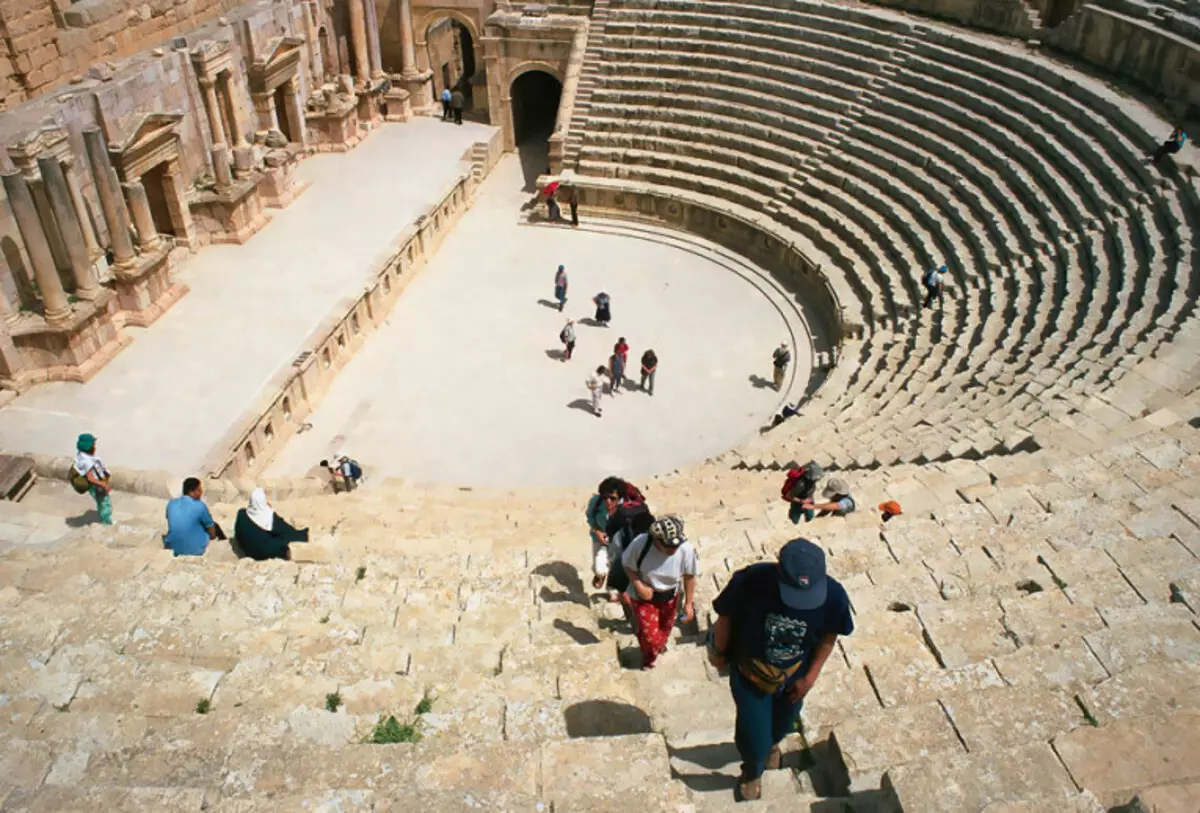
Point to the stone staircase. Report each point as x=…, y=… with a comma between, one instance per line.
x=1025, y=627
x=593, y=53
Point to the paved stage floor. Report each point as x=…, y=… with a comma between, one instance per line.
x=463, y=384
x=168, y=397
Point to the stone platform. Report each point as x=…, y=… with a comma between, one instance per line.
x=466, y=385
x=250, y=307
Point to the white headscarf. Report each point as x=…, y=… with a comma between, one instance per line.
x=259, y=512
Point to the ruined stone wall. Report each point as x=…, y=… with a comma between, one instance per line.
x=1013, y=17
x=1160, y=61
x=121, y=93
x=46, y=42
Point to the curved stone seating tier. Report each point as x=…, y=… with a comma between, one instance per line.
x=892, y=146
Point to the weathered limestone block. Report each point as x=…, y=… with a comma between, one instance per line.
x=1047, y=617
x=271, y=683
x=887, y=639
x=965, y=632
x=841, y=693
x=1124, y=646
x=1082, y=803
x=132, y=800
x=1088, y=576
x=872, y=743
x=970, y=782
x=1068, y=664
x=1100, y=758
x=395, y=695
x=1145, y=691
x=1008, y=717
x=576, y=776
x=24, y=764
x=910, y=684
x=1181, y=798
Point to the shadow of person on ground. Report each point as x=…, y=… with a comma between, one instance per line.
x=605, y=718
x=88, y=517
x=582, y=404
x=761, y=383
x=589, y=321
x=566, y=575
x=576, y=633
x=548, y=304
x=557, y=355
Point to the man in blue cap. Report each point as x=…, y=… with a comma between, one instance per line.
x=777, y=625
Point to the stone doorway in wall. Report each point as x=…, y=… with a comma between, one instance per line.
x=450, y=49
x=535, y=95
x=279, y=99
x=155, y=181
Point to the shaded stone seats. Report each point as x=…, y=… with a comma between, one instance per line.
x=806, y=47
x=849, y=47
x=769, y=87
x=722, y=93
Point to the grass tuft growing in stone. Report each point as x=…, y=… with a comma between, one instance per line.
x=361, y=573
x=425, y=705
x=203, y=705
x=389, y=731
x=333, y=701
x=325, y=618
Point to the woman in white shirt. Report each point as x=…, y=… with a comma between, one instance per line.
x=657, y=564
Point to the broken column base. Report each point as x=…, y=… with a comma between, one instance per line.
x=75, y=350
x=397, y=103
x=145, y=290
x=279, y=186
x=232, y=215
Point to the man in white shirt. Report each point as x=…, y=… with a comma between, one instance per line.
x=657, y=563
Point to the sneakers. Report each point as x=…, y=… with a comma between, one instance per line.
x=749, y=790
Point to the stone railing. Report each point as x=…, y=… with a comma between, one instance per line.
x=755, y=241
x=294, y=393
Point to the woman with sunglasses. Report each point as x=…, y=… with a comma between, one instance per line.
x=657, y=565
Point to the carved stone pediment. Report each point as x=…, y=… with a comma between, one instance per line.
x=49, y=140
x=279, y=62
x=211, y=58
x=153, y=139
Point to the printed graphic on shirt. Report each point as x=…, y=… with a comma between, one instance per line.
x=785, y=638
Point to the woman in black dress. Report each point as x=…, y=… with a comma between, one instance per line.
x=263, y=534
x=603, y=314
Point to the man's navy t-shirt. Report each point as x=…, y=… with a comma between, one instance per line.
x=767, y=629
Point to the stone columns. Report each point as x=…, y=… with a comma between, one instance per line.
x=264, y=105
x=108, y=189
x=408, y=54
x=221, y=169
x=90, y=239
x=59, y=195
x=143, y=220
x=358, y=37
x=231, y=111
x=54, y=299
x=315, y=66
x=213, y=109
x=373, y=49
x=294, y=109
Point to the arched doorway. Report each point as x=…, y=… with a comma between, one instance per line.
x=450, y=49
x=535, y=96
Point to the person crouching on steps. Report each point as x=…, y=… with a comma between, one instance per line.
x=656, y=566
x=777, y=624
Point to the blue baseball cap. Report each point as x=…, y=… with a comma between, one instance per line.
x=803, y=584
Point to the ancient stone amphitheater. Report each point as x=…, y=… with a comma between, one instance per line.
x=1026, y=633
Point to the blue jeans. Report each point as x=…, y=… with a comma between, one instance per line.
x=796, y=511
x=762, y=722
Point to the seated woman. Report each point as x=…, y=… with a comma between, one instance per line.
x=263, y=534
